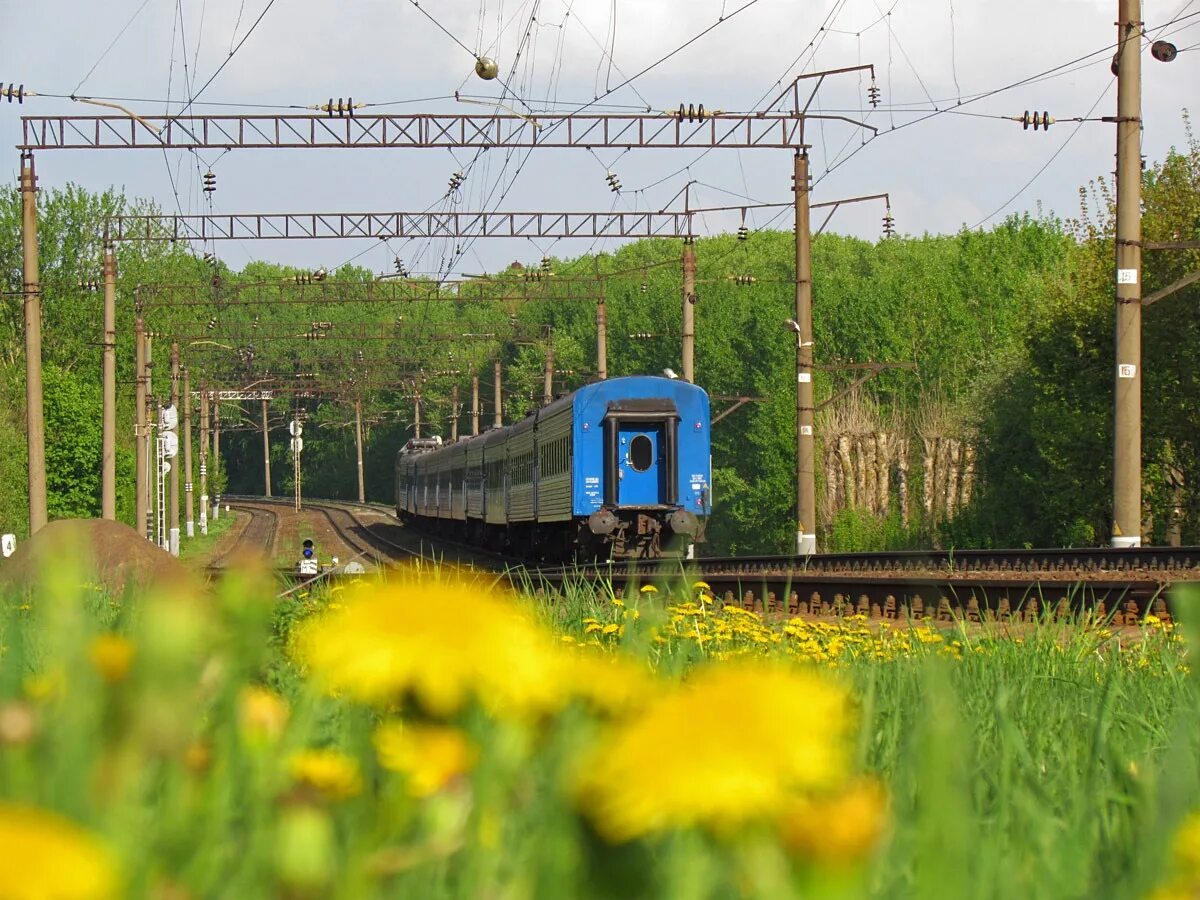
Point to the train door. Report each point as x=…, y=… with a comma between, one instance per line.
x=640, y=468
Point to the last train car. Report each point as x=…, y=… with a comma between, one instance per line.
x=618, y=469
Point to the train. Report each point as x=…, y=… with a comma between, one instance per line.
x=618, y=469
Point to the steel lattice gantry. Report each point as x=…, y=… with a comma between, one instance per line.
x=623, y=131
x=396, y=225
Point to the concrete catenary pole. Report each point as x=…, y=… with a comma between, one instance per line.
x=474, y=405
x=147, y=447
x=548, y=377
x=806, y=484
x=498, y=397
x=204, y=424
x=601, y=341
x=35, y=427
x=266, y=436
x=140, y=515
x=362, y=488
x=216, y=455
x=108, y=378
x=454, y=411
x=189, y=508
x=1127, y=430
x=689, y=309
x=173, y=481
x=417, y=416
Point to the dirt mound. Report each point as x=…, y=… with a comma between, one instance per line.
x=107, y=553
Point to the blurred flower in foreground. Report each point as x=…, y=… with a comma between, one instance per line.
x=112, y=655
x=430, y=756
x=46, y=857
x=839, y=828
x=1184, y=869
x=437, y=643
x=735, y=743
x=333, y=774
x=262, y=714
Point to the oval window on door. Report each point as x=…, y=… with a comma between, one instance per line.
x=641, y=453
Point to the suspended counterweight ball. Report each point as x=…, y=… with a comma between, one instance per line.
x=486, y=68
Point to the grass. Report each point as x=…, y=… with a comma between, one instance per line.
x=202, y=544
x=177, y=732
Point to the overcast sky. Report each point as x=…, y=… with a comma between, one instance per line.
x=948, y=171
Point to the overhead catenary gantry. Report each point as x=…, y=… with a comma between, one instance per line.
x=689, y=127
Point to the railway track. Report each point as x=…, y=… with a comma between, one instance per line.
x=1119, y=585
x=258, y=535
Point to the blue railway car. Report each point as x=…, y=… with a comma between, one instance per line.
x=618, y=469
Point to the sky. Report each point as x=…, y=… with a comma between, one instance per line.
x=943, y=152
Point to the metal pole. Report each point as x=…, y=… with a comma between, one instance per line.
x=188, y=505
x=266, y=430
x=474, y=405
x=806, y=484
x=204, y=458
x=689, y=309
x=601, y=341
x=173, y=496
x=417, y=415
x=454, y=414
x=35, y=433
x=498, y=399
x=216, y=456
x=108, y=377
x=1127, y=442
x=548, y=377
x=148, y=440
x=140, y=515
x=362, y=488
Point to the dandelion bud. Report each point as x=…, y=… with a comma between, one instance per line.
x=262, y=715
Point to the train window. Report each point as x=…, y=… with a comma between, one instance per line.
x=641, y=453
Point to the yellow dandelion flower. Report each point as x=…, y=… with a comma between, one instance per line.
x=46, y=857
x=262, y=714
x=431, y=756
x=701, y=586
x=649, y=589
x=611, y=628
x=335, y=775
x=617, y=601
x=111, y=655
x=839, y=828
x=46, y=687
x=593, y=627
x=437, y=643
x=741, y=738
x=607, y=682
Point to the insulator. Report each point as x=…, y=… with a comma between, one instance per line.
x=358, y=354
x=212, y=323
x=88, y=285
x=210, y=257
x=486, y=68
x=545, y=264
x=873, y=94
x=743, y=232
x=341, y=108
x=456, y=180
x=889, y=224
x=614, y=183
x=254, y=324
x=12, y=92
x=644, y=287
x=1043, y=121
x=399, y=266
x=210, y=181
x=320, y=274
x=1164, y=51
x=643, y=335
x=692, y=113
x=744, y=279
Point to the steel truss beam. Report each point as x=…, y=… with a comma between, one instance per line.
x=626, y=131
x=397, y=225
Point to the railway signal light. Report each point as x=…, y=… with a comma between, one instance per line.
x=308, y=551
